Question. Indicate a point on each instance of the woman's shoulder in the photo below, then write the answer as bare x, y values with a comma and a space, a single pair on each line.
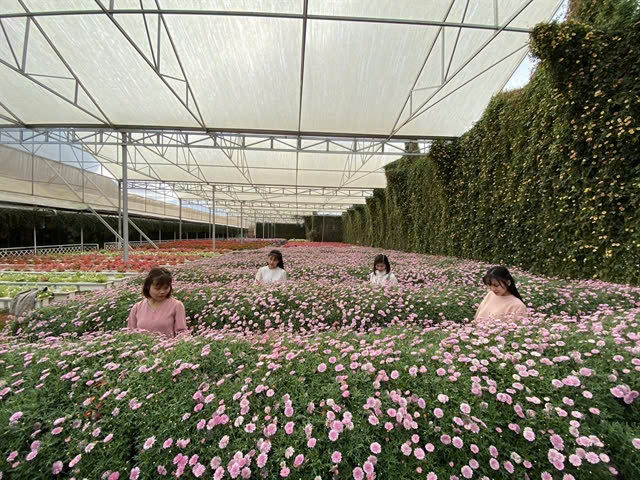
175, 302
139, 303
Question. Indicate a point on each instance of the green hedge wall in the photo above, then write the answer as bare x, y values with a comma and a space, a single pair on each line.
549, 178
331, 232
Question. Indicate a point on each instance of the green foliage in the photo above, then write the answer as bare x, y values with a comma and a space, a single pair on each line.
549, 178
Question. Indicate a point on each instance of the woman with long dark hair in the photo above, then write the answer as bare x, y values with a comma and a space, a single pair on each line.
381, 274
503, 299
273, 271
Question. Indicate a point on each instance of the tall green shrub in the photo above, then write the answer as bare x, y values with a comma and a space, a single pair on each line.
549, 178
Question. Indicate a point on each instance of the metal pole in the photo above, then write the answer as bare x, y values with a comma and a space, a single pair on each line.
119, 209
263, 226
323, 228
125, 201
213, 210
180, 234
241, 222
227, 224
82, 238
35, 237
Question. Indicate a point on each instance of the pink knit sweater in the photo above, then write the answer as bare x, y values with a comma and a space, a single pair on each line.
167, 318
501, 307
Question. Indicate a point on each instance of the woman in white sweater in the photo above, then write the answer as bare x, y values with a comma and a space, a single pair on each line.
503, 301
273, 272
381, 275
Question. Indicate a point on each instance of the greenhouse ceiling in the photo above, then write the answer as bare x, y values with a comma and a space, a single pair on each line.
298, 101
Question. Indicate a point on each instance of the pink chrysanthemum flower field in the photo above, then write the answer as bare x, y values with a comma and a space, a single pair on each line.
325, 377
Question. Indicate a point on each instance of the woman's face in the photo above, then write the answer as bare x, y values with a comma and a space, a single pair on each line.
498, 289
272, 262
381, 267
159, 292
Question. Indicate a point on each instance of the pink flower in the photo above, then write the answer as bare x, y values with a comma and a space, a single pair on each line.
529, 434
636, 443
198, 469
368, 467
75, 460
167, 443
467, 472
557, 442
457, 442
284, 472
311, 442
288, 428
298, 460
406, 449
31, 455
114, 476
358, 473
322, 368
336, 457
57, 467
333, 435
419, 453
224, 441
134, 474
438, 412
149, 443
15, 417
373, 420
465, 408
375, 448
262, 460
432, 476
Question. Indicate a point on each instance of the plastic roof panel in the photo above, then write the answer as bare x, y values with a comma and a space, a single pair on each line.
356, 74
407, 9
239, 79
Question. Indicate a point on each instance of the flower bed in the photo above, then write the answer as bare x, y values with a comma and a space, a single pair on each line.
298, 243
327, 377
140, 260
221, 245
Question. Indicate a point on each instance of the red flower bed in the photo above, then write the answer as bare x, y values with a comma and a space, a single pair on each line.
205, 244
93, 263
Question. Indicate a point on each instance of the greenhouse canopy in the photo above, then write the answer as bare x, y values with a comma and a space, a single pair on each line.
284, 106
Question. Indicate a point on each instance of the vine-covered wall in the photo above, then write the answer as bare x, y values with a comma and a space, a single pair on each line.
549, 178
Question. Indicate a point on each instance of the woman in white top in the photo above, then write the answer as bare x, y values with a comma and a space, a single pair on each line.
381, 274
273, 272
503, 301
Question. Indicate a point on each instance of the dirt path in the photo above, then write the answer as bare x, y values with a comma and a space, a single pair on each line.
4, 318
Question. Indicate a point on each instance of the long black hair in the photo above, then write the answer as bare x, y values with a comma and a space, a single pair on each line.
501, 275
278, 255
381, 259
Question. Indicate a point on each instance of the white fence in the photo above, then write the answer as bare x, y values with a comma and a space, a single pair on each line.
48, 249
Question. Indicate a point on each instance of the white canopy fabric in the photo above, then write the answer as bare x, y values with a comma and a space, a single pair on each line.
287, 93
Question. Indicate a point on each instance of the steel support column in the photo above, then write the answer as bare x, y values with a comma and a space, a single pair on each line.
125, 201
180, 216
213, 205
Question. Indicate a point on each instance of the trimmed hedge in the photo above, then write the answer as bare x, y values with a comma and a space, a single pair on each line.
549, 178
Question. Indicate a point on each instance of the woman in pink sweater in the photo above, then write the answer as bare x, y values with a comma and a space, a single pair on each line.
503, 299
159, 312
